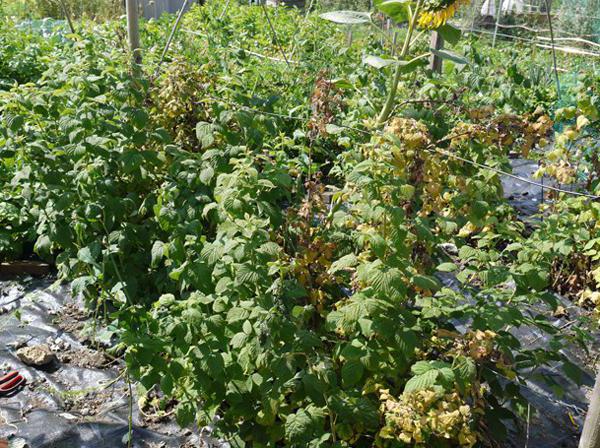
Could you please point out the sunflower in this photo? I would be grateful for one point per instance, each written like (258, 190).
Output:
(436, 12)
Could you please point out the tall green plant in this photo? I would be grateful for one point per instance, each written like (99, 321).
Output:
(430, 15)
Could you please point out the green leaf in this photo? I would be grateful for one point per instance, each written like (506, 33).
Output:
(211, 253)
(464, 369)
(513, 246)
(184, 413)
(347, 17)
(479, 209)
(342, 83)
(85, 255)
(467, 252)
(314, 388)
(446, 377)
(449, 33)
(407, 342)
(166, 384)
(14, 122)
(424, 381)
(247, 274)
(204, 133)
(353, 351)
(206, 175)
(426, 282)
(352, 372)
(80, 284)
(238, 340)
(157, 253)
(420, 367)
(377, 62)
(334, 129)
(573, 371)
(140, 118)
(450, 56)
(447, 267)
(298, 426)
(346, 262)
(387, 280)
(42, 245)
(413, 64)
(236, 314)
(397, 10)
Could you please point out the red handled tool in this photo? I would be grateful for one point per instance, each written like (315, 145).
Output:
(10, 382)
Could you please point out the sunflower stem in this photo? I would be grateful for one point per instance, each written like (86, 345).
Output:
(391, 97)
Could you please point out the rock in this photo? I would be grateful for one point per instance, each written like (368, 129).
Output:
(36, 355)
(57, 344)
(68, 416)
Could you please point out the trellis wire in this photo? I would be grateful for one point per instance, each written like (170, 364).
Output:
(542, 30)
(431, 148)
(571, 50)
(250, 52)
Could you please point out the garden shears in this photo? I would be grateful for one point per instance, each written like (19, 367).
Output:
(11, 382)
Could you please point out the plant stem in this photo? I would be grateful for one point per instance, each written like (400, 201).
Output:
(391, 97)
(130, 412)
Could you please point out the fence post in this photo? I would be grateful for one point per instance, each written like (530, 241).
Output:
(590, 436)
(133, 30)
(437, 43)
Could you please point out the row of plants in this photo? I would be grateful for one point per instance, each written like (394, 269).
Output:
(40, 9)
(267, 255)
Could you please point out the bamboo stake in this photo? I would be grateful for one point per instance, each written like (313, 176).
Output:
(170, 39)
(274, 34)
(67, 15)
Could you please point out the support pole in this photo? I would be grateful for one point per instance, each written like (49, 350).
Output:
(274, 34)
(553, 48)
(65, 10)
(437, 43)
(590, 437)
(172, 35)
(498, 14)
(133, 30)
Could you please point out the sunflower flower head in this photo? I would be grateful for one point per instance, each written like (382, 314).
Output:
(435, 13)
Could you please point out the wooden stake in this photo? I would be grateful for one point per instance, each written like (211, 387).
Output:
(437, 43)
(590, 436)
(133, 30)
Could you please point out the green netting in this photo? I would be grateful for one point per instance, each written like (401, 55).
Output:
(581, 17)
